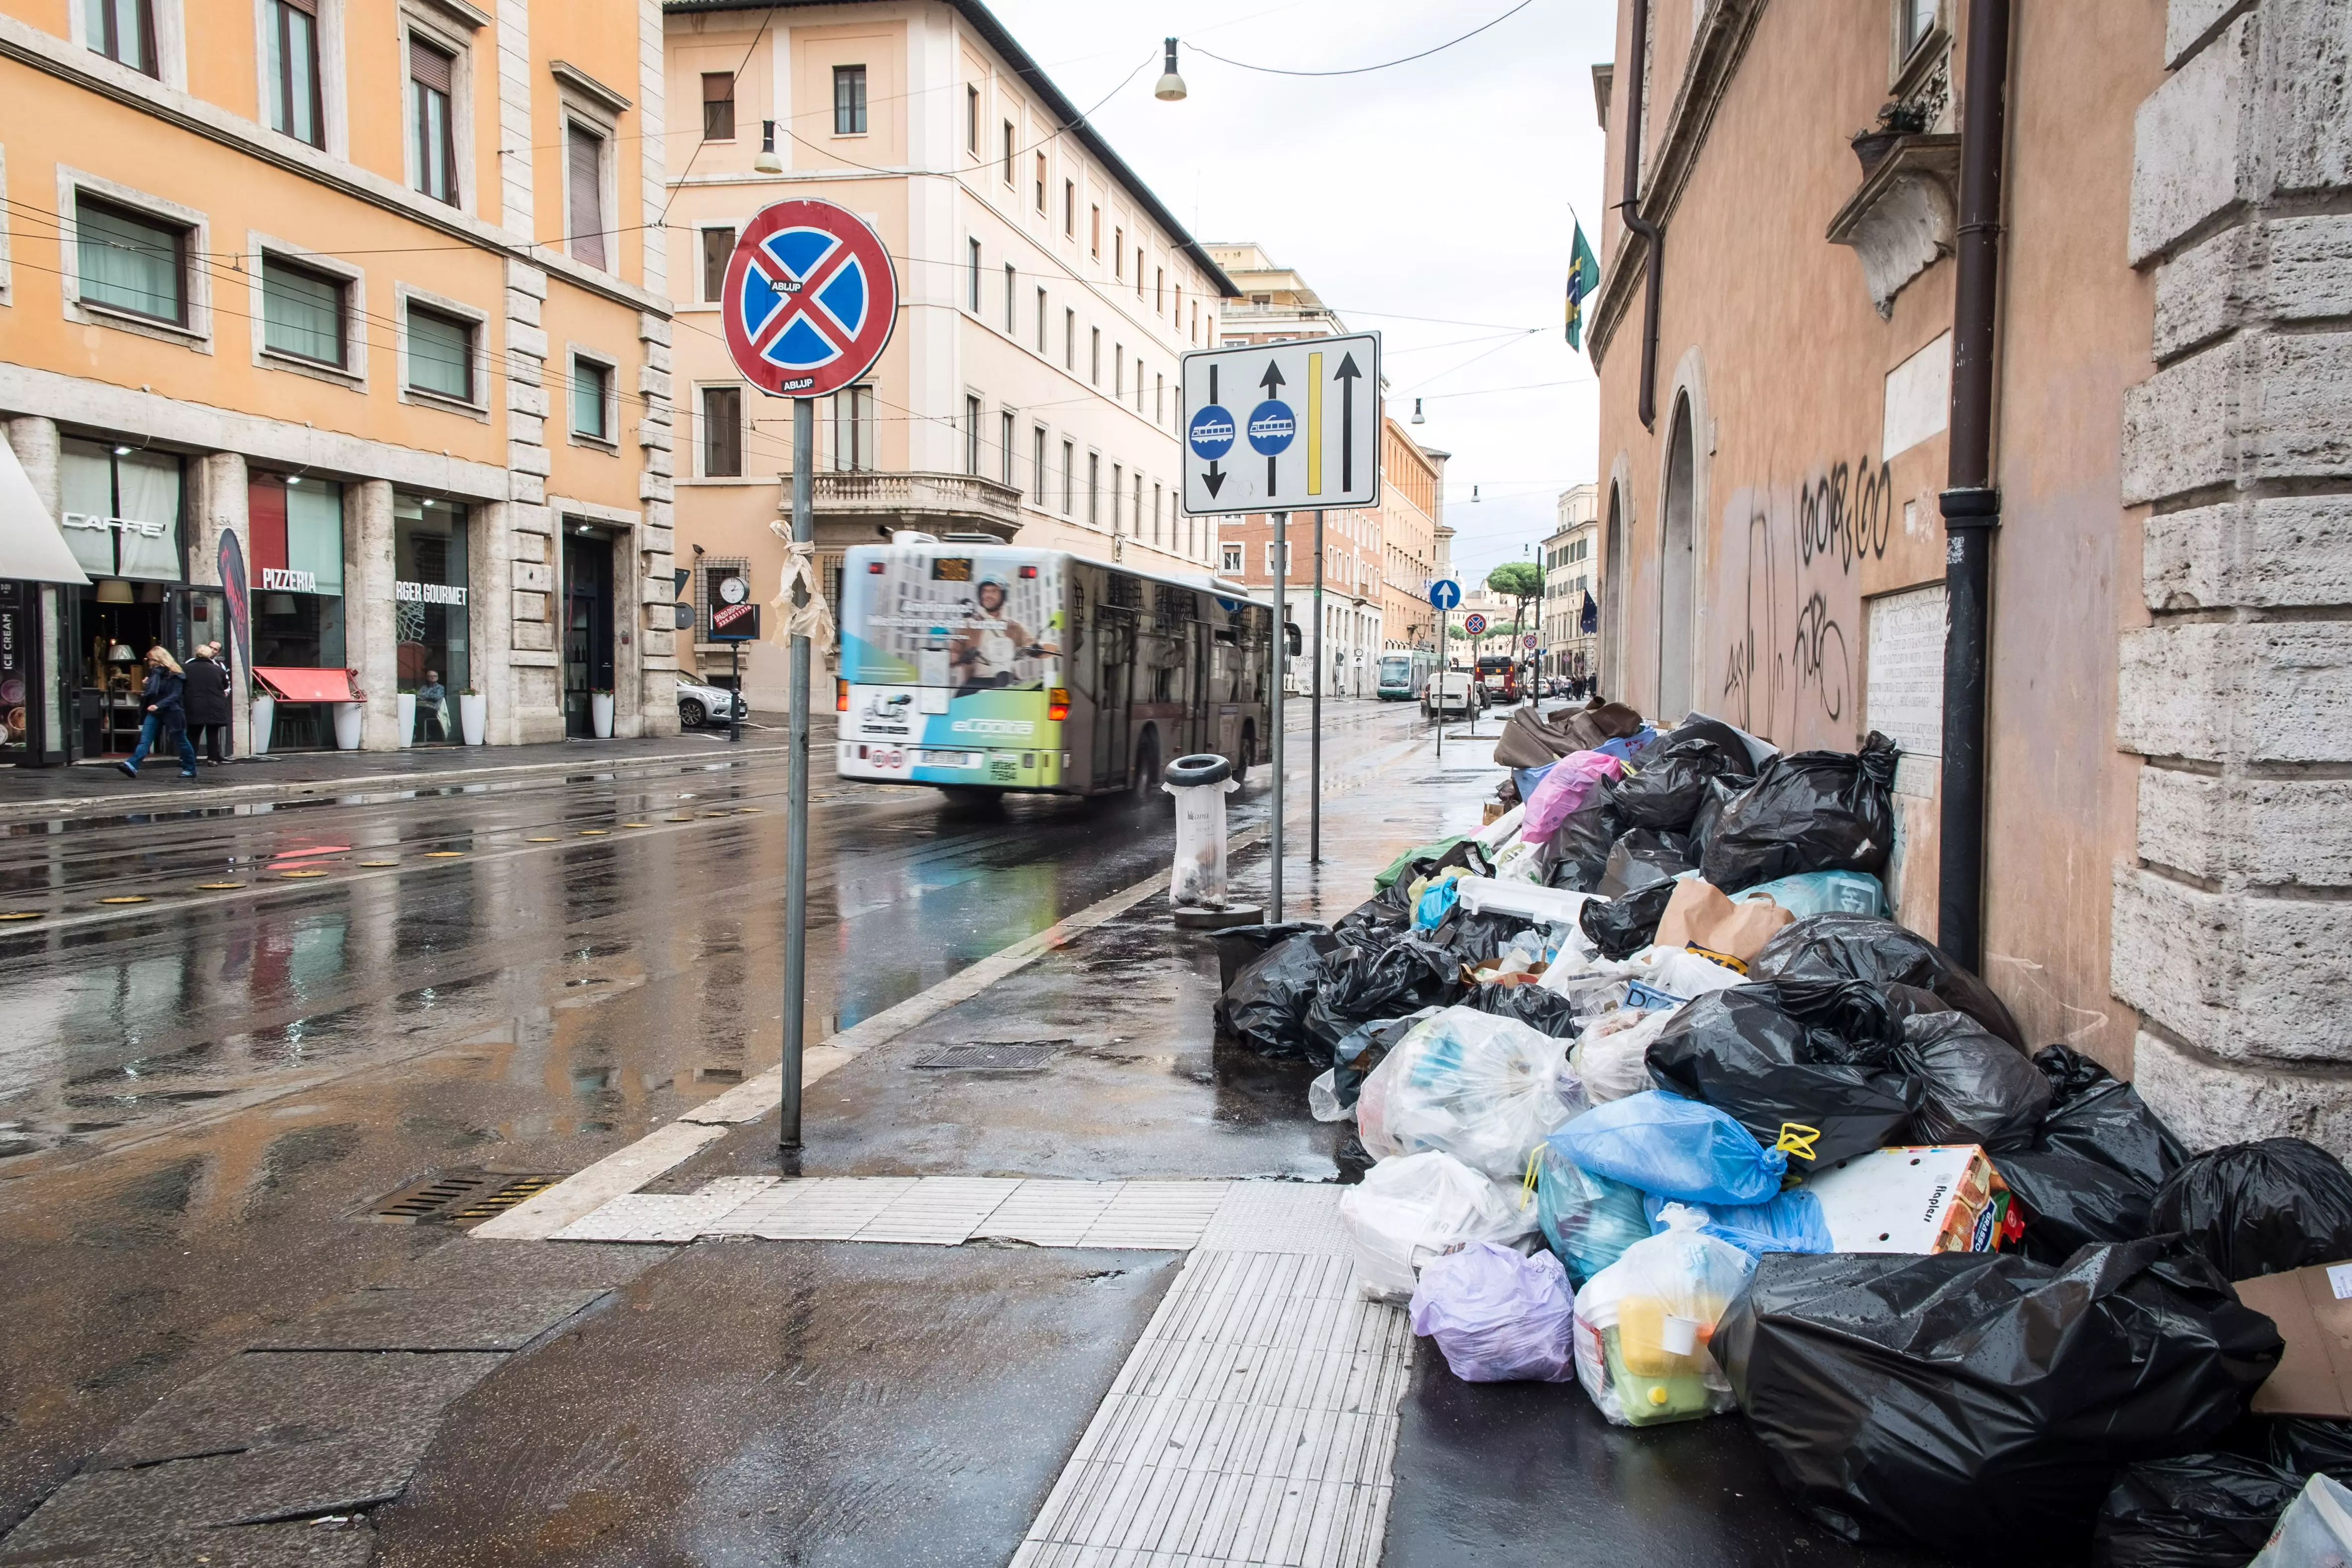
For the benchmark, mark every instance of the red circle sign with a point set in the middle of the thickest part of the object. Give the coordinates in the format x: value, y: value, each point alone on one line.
x: 810, y: 300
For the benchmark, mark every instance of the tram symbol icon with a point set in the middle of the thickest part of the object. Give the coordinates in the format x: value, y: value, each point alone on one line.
x: 1212, y: 433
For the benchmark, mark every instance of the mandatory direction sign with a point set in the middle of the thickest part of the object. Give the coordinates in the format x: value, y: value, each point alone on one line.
x: 810, y: 300
x: 1474, y: 623
x: 1283, y: 427
x: 1445, y: 593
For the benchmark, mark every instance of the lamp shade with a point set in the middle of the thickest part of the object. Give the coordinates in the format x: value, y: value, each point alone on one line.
x: 113, y: 590
x: 121, y: 653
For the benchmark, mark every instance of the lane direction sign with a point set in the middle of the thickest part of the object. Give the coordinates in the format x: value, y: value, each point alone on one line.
x: 1317, y: 431
x: 810, y: 300
x: 1474, y: 623
x: 1444, y: 593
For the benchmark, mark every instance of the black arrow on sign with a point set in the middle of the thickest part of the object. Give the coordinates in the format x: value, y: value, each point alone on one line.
x: 1346, y: 375
x: 1272, y: 383
x: 1213, y: 479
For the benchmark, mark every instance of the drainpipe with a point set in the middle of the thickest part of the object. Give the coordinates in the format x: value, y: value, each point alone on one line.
x: 1970, y: 505
x: 1653, y: 237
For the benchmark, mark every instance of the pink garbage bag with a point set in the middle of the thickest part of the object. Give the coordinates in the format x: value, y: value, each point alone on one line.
x: 1498, y: 1314
x: 1564, y: 789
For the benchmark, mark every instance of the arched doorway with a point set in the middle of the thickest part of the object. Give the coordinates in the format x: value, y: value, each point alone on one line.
x: 1613, y: 598
x: 1677, y: 597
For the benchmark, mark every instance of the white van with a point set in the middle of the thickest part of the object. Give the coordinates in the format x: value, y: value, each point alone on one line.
x: 1452, y: 693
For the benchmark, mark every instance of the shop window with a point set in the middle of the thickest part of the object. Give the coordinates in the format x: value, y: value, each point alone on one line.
x: 301, y: 312
x: 431, y: 591
x: 432, y: 113
x: 584, y: 184
x: 722, y: 433
x: 289, y: 69
x: 130, y: 261
x: 849, y: 100
x: 440, y: 354
x: 123, y: 30
x: 121, y: 510
x: 592, y: 398
x: 718, y: 106
x: 295, y: 527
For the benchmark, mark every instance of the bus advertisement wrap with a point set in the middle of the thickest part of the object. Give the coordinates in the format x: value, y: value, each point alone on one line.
x: 1001, y: 738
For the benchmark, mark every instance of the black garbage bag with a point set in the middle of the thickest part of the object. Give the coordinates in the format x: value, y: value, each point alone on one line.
x: 1855, y: 1022
x: 2259, y: 1208
x: 1469, y: 854
x: 1580, y: 846
x: 1239, y: 946
x: 1364, y: 1047
x: 1979, y: 1089
x: 1640, y: 858
x: 1266, y: 1007
x: 2309, y: 1444
x: 1816, y: 810
x: 1723, y: 737
x: 2092, y: 1171
x: 1374, y: 924
x: 1832, y: 947
x: 1475, y: 940
x: 1978, y: 1403
x: 1545, y: 1011
x: 1742, y: 1052
x: 1358, y: 987
x: 1668, y: 792
x: 1720, y: 791
x: 1621, y: 928
x: 2203, y: 1510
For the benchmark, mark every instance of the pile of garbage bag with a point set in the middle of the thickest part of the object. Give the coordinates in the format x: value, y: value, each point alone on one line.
x: 1662, y: 1100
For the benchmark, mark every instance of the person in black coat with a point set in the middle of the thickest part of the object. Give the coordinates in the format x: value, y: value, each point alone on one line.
x: 166, y: 714
x: 206, y: 702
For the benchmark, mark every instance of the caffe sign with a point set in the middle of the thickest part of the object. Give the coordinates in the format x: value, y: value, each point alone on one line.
x: 97, y: 523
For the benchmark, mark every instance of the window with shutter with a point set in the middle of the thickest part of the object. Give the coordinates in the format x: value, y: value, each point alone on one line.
x: 717, y: 250
x: 432, y: 77
x: 586, y: 188
x: 722, y: 433
x: 718, y: 106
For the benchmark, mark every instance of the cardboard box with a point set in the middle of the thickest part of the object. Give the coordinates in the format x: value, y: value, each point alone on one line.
x: 1931, y: 1197
x: 2313, y: 1309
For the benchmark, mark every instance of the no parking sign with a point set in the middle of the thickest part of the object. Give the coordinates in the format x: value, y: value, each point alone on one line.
x: 810, y: 300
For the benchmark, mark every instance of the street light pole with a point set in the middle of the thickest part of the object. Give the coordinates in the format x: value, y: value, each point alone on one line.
x: 788, y: 1137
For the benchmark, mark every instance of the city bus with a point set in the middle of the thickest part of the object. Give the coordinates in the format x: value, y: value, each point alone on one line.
x: 1500, y: 676
x: 983, y: 667
x: 1403, y: 674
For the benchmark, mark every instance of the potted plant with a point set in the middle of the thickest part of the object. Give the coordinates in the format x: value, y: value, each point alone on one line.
x: 407, y: 718
x: 1897, y: 120
x: 600, y: 712
x: 473, y: 715
x: 347, y: 719
x: 265, y: 717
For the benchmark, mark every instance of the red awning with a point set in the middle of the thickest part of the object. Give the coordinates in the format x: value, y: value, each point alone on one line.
x: 296, y: 685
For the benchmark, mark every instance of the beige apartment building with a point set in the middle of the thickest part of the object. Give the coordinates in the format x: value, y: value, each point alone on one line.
x: 1029, y: 390
x: 1413, y: 537
x: 1571, y: 575
x: 2124, y: 380
x: 335, y: 330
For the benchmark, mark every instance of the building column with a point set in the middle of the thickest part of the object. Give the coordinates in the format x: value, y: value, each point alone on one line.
x: 34, y: 441
x: 370, y: 636
x: 2231, y: 920
x: 490, y: 567
x: 643, y: 590
x: 523, y: 648
x: 217, y: 505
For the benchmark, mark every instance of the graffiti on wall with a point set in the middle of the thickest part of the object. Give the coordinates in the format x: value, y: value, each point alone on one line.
x: 1790, y: 560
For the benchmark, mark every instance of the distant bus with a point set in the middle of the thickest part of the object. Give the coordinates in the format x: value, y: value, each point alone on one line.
x: 981, y: 667
x: 1500, y: 676
x: 1404, y: 675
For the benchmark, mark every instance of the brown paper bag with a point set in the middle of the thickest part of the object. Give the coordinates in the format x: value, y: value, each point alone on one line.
x: 1700, y: 915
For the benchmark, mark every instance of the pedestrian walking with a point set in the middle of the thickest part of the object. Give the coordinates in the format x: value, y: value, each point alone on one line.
x: 167, y: 717
x: 206, y: 702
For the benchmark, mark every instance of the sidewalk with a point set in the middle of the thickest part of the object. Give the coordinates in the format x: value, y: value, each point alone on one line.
x: 95, y: 789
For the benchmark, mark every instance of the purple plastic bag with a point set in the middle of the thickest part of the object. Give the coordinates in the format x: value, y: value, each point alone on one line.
x: 1498, y: 1315
x: 1566, y: 785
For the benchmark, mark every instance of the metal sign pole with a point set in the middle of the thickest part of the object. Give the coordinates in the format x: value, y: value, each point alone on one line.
x: 1444, y: 631
x: 1281, y: 675
x: 796, y: 789
x: 1315, y: 734
x: 735, y: 705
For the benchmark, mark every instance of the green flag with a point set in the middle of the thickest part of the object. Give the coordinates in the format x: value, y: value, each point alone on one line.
x: 1583, y: 277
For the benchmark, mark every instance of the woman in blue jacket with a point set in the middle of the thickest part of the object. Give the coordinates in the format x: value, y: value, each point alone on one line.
x: 165, y: 716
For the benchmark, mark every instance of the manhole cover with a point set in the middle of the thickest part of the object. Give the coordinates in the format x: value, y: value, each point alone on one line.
x: 994, y: 1055
x: 459, y: 1196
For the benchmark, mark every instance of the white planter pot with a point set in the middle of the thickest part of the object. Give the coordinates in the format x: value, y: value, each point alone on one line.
x: 265, y: 715
x: 600, y: 713
x: 347, y: 725
x: 473, y: 716
x: 407, y: 718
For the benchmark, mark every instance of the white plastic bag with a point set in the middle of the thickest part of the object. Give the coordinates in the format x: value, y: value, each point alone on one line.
x: 2315, y: 1531
x: 1611, y: 1057
x: 1483, y: 1088
x: 1679, y: 972
x: 1408, y: 1211
x: 1643, y: 1322
x: 1323, y: 1098
x: 1498, y: 1315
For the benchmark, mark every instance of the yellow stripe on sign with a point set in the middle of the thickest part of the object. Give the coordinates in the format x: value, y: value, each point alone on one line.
x: 1314, y: 425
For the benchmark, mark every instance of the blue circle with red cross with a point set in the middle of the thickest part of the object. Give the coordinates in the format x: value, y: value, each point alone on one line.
x: 810, y: 300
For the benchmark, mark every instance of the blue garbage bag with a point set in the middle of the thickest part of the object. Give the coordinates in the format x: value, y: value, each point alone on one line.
x: 1436, y: 903
x: 1811, y: 893
x: 1675, y: 1147
x: 1587, y: 1219
x: 1791, y: 1222
x: 1526, y: 778
x: 1624, y: 746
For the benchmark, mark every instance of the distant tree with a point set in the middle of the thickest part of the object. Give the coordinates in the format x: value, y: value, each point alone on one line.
x: 1520, y: 580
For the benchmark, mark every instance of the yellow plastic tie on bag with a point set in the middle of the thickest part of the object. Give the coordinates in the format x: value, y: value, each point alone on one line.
x: 1736, y: 966
x: 1527, y: 1188
x: 1797, y: 1139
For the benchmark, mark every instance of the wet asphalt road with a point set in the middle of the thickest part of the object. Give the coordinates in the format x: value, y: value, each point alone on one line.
x: 202, y: 1095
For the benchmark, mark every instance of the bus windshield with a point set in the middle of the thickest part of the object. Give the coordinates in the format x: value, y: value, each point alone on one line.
x: 977, y: 619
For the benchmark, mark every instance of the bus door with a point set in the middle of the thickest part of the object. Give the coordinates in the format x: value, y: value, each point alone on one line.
x: 1114, y: 650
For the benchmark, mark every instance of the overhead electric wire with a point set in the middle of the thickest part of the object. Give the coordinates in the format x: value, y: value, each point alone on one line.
x: 1360, y: 70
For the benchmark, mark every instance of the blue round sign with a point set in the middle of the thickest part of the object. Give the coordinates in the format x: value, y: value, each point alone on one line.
x: 1445, y: 593
x: 1271, y: 426
x: 1212, y: 434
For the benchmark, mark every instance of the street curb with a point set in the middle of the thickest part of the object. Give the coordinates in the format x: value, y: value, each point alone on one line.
x: 630, y: 1168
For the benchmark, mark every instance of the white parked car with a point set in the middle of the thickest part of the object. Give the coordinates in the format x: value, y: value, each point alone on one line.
x: 699, y: 702
x: 1451, y: 691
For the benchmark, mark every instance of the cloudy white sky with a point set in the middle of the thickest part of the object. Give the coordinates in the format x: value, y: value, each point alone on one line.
x: 1430, y: 202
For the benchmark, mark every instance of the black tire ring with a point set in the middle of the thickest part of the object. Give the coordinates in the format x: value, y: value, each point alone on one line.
x: 1200, y: 768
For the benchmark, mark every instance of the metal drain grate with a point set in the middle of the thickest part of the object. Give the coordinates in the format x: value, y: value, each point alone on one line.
x: 993, y: 1055
x: 459, y: 1196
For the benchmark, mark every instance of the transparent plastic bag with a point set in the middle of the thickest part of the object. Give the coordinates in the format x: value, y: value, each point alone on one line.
x: 1644, y: 1323
x: 1611, y: 1057
x: 1498, y: 1315
x: 1675, y: 1147
x: 1407, y: 1211
x: 1483, y: 1088
x: 2315, y: 1531
x: 1588, y: 1221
